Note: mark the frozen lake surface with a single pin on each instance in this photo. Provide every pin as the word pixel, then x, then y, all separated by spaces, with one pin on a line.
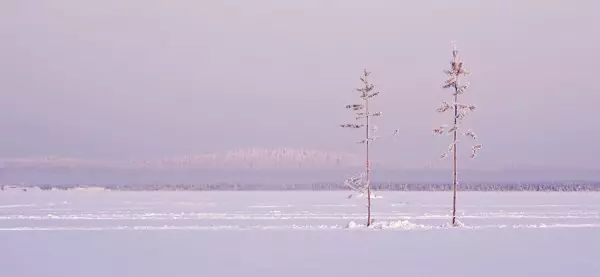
pixel 110 233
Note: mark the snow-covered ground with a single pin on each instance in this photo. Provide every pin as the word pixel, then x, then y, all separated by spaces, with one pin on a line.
pixel 107 233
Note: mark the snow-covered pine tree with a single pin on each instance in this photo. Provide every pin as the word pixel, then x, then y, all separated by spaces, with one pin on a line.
pixel 460 111
pixel 362 182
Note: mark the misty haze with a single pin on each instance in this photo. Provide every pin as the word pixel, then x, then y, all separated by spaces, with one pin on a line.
pixel 299 138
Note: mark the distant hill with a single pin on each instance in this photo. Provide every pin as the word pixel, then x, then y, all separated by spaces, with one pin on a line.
pixel 252 158
pixel 259 158
pixel 256 166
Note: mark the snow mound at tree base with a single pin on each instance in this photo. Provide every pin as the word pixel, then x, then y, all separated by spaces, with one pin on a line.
pixel 388 225
pixel 404 225
pixel 364 196
pixel 457 224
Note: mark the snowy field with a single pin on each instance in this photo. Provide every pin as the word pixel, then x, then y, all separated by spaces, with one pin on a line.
pixel 107 233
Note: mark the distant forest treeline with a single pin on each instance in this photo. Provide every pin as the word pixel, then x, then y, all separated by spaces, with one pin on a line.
pixel 591 186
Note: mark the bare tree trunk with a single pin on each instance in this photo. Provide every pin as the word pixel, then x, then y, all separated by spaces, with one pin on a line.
pixel 454 154
pixel 368 166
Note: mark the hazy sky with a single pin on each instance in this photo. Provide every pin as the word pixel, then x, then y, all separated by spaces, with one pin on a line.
pixel 129 79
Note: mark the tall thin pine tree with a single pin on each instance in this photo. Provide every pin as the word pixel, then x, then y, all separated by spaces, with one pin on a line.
pixel 459 111
pixel 362 183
